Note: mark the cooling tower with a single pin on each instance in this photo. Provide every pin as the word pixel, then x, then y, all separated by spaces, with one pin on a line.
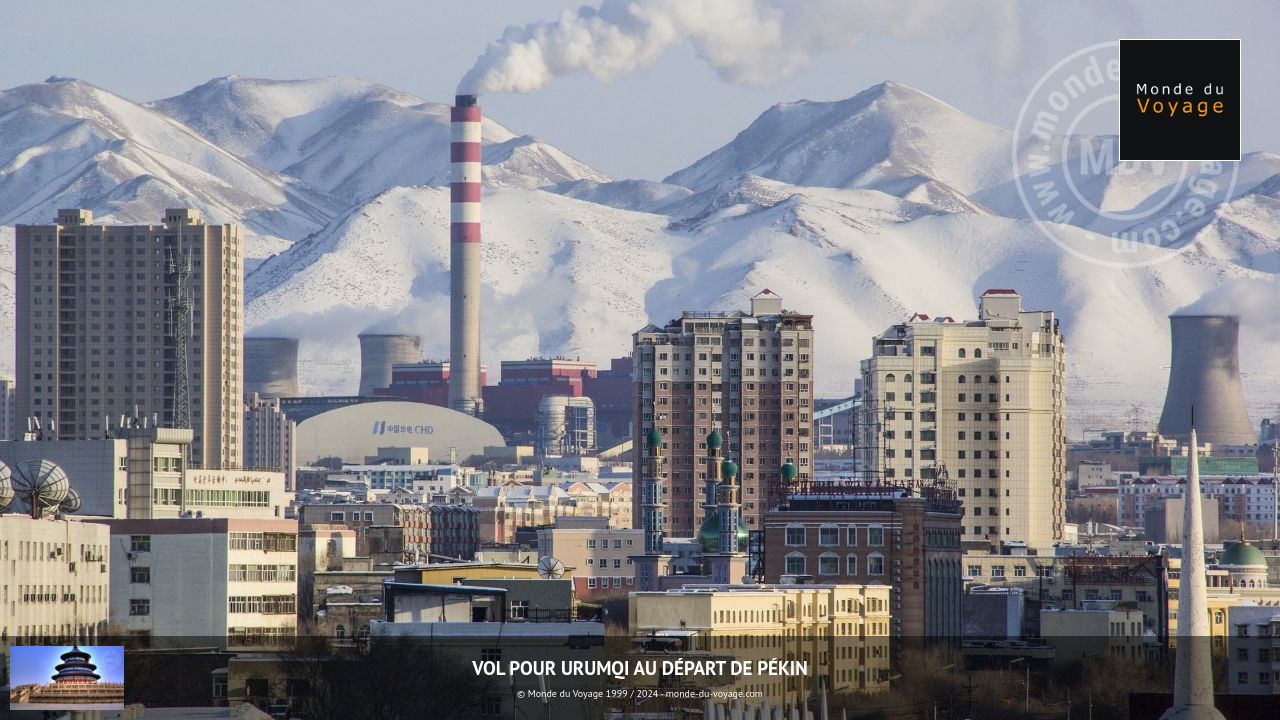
pixel 271 366
pixel 379 352
pixel 464 257
pixel 1205 375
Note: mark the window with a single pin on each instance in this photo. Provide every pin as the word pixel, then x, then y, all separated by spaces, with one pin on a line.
pixel 997 571
pixel 519 610
pixel 139 543
pixel 875 536
pixel 795 536
pixel 853 536
pixel 1242 631
pixel 829 564
pixel 851 564
pixel 1019 571
pixel 140 606
pixel 591 583
pixel 875 564
pixel 794 564
pixel 975 571
pixel 828 535
pixel 139 574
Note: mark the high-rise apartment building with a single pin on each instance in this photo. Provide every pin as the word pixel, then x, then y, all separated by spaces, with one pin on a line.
pixel 747 374
pixel 983 400
pixel 98 330
pixel 268 437
pixel 8 409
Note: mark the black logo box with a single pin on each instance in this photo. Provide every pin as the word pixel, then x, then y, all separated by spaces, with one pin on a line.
pixel 1181 65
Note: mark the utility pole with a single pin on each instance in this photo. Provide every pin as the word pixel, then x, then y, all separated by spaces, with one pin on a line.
pixel 1026 700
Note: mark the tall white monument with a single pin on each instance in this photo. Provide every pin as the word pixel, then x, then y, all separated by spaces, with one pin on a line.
pixel 1193 672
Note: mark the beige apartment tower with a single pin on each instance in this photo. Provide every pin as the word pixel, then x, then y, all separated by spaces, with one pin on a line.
pixel 748 375
pixel 983 401
pixel 100 321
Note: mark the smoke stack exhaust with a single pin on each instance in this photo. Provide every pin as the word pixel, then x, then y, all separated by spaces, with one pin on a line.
pixel 1204 382
pixel 464 258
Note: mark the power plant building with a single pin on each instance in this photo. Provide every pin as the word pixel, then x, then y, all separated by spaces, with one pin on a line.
pixel 98 314
pixel 747 374
pixel 464 256
pixel 1204 381
pixel 379 353
pixel 984 400
pixel 271 366
pixel 354 432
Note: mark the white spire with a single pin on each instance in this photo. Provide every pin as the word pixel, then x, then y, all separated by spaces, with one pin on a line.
pixel 1193 672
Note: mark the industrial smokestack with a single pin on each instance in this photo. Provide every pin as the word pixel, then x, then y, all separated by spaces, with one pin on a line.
pixel 271 366
pixel 1205 375
pixel 464 258
pixel 379 352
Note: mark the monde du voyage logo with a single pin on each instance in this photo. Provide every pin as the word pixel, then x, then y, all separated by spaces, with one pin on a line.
pixel 382 427
pixel 1180 100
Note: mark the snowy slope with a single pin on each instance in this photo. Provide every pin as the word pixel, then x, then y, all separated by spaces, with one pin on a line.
pixel 66 143
pixel 356 138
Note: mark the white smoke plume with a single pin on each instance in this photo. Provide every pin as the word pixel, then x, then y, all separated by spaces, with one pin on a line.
pixel 749 42
pixel 1255 300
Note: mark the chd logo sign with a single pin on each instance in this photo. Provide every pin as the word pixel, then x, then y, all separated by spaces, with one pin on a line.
pixel 1106 198
pixel 382 427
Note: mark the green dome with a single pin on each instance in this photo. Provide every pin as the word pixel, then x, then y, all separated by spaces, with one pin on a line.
pixel 709 535
pixel 655 438
pixel 789 470
pixel 728 469
pixel 715 440
pixel 1242 554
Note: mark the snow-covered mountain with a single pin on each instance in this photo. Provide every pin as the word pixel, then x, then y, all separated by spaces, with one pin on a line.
pixel 860 211
pixel 66 143
pixel 356 138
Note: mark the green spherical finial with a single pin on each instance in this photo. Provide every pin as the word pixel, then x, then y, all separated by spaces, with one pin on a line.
pixel 715 440
pixel 728 469
pixel 789 470
pixel 655 438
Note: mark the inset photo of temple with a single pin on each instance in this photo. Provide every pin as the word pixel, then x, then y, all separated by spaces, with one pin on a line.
pixel 67 678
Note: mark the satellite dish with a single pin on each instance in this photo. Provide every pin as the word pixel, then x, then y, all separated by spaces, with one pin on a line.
pixel 40 486
pixel 6 488
pixel 550 568
pixel 70 503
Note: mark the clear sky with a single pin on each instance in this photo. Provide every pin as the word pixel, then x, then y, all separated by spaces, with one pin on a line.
pixel 32 664
pixel 646 124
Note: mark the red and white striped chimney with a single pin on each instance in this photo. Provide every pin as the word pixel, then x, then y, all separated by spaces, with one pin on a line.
pixel 464 258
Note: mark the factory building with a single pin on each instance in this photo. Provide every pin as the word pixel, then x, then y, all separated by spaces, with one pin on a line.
pixel 55 584
pixel 512 404
pixel 97 308
pixel 984 400
pixel 748 374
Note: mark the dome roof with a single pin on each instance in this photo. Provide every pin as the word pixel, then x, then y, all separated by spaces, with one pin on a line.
pixel 709 534
pixel 789 470
pixel 655 438
pixel 728 469
pixel 1242 554
pixel 715 440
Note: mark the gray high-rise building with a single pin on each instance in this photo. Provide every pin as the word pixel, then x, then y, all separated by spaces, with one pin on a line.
pixel 100 323
pixel 269 437
pixel 8 410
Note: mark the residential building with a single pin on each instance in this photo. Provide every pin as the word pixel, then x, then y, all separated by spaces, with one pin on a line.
pixel 96 318
pixel 602 557
pixel 54 586
pixel 507 508
pixel 842 632
pixel 1253 658
pixel 984 400
pixel 397 532
pixel 1238 498
pixel 875 536
pixel 232 581
pixel 9 424
pixel 747 374
pixel 268 437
